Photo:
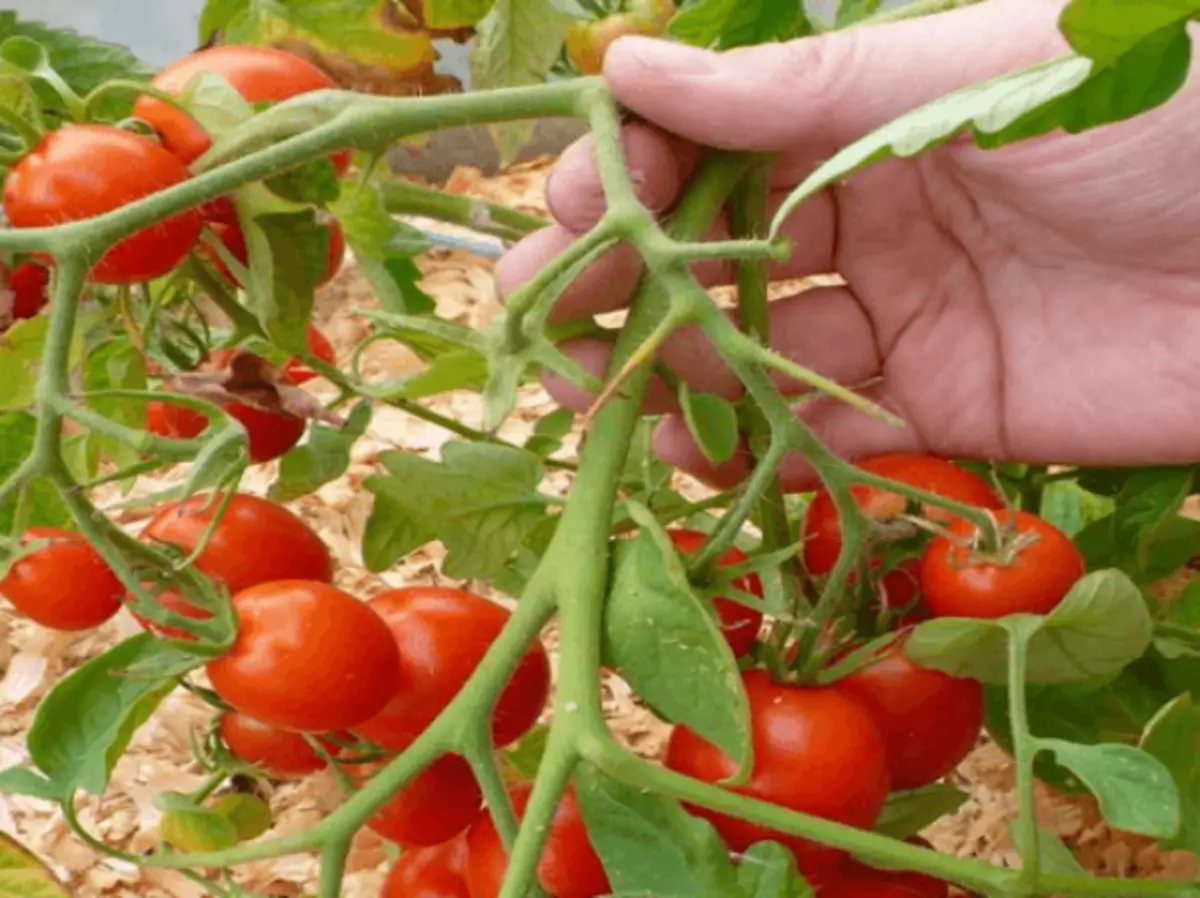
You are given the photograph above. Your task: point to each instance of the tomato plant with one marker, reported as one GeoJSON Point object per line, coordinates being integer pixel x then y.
{"type": "Point", "coordinates": [755, 625]}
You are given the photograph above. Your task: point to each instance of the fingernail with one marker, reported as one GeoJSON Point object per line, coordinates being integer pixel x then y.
{"type": "Point", "coordinates": [660, 55]}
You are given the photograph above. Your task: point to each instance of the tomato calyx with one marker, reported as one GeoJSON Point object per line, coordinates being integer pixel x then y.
{"type": "Point", "coordinates": [999, 546]}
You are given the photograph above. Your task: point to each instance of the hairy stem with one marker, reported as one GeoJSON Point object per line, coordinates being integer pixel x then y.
{"type": "Point", "coordinates": [406, 198]}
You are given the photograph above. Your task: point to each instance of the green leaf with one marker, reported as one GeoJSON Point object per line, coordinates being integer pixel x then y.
{"type": "Point", "coordinates": [768, 870]}
{"type": "Point", "coordinates": [713, 422]}
{"type": "Point", "coordinates": [287, 257]}
{"type": "Point", "coordinates": [1100, 626]}
{"type": "Point", "coordinates": [314, 184]}
{"type": "Point", "coordinates": [392, 530]}
{"type": "Point", "coordinates": [116, 366]}
{"type": "Point", "coordinates": [649, 844]}
{"type": "Point", "coordinates": [1056, 857]}
{"type": "Point", "coordinates": [1184, 609]}
{"type": "Point", "coordinates": [549, 431]}
{"type": "Point", "coordinates": [1105, 30]}
{"type": "Point", "coordinates": [455, 13]}
{"type": "Point", "coordinates": [215, 103]}
{"type": "Point", "coordinates": [724, 24]}
{"type": "Point", "coordinates": [480, 501]}
{"type": "Point", "coordinates": [1072, 93]}
{"type": "Point", "coordinates": [1149, 499]}
{"type": "Point", "coordinates": [851, 11]}
{"type": "Point", "coordinates": [666, 642]}
{"type": "Point", "coordinates": [516, 44]}
{"type": "Point", "coordinates": [459, 369]}
{"type": "Point", "coordinates": [23, 781]}
{"type": "Point", "coordinates": [22, 875]}
{"type": "Point", "coordinates": [199, 829]}
{"type": "Point", "coordinates": [1071, 508]}
{"type": "Point", "coordinates": [520, 762]}
{"type": "Point", "coordinates": [383, 247]}
{"type": "Point", "coordinates": [1134, 789]}
{"type": "Point", "coordinates": [217, 14]}
{"type": "Point", "coordinates": [20, 357]}
{"type": "Point", "coordinates": [43, 505]}
{"type": "Point", "coordinates": [907, 813]}
{"type": "Point", "coordinates": [323, 458]}
{"type": "Point", "coordinates": [249, 814]}
{"type": "Point", "coordinates": [86, 721]}
{"type": "Point", "coordinates": [1173, 737]}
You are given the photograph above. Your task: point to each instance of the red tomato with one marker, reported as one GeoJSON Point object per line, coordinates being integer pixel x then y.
{"type": "Point", "coordinates": [318, 344]}
{"type": "Point", "coordinates": [168, 420]}
{"type": "Point", "coordinates": [872, 888]}
{"type": "Point", "coordinates": [919, 885]}
{"type": "Point", "coordinates": [929, 720]}
{"type": "Point", "coordinates": [279, 753]}
{"type": "Point", "coordinates": [569, 866]}
{"type": "Point", "coordinates": [435, 872]}
{"type": "Point", "coordinates": [28, 282]}
{"type": "Point", "coordinates": [823, 533]}
{"type": "Point", "coordinates": [1031, 575]}
{"type": "Point", "coordinates": [739, 623]}
{"type": "Point", "coordinates": [81, 171]}
{"type": "Point", "coordinates": [64, 586]}
{"type": "Point", "coordinates": [438, 804]}
{"type": "Point", "coordinates": [260, 74]}
{"type": "Point", "coordinates": [307, 657]}
{"type": "Point", "coordinates": [443, 634]}
{"type": "Point", "coordinates": [256, 541]}
{"type": "Point", "coordinates": [815, 751]}
{"type": "Point", "coordinates": [234, 240]}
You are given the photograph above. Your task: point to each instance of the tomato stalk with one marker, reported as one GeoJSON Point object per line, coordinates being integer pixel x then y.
{"type": "Point", "coordinates": [1020, 630]}
{"type": "Point", "coordinates": [407, 198]}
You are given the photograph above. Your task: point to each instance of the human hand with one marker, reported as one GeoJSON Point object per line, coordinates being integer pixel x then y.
{"type": "Point", "coordinates": [1039, 302]}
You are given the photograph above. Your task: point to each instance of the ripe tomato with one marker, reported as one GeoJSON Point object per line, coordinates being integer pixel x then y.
{"type": "Point", "coordinates": [28, 282]}
{"type": "Point", "coordinates": [279, 753]}
{"type": "Point", "coordinates": [1031, 575]}
{"type": "Point", "coordinates": [435, 872]}
{"type": "Point", "coordinates": [318, 344]}
{"type": "Point", "coordinates": [569, 866]}
{"type": "Point", "coordinates": [259, 74]}
{"type": "Point", "coordinates": [875, 887]}
{"type": "Point", "coordinates": [918, 885]}
{"type": "Point", "coordinates": [822, 531]}
{"type": "Point", "coordinates": [256, 541]}
{"type": "Point", "coordinates": [443, 634]}
{"type": "Point", "coordinates": [81, 171]}
{"type": "Point", "coordinates": [64, 586]}
{"type": "Point", "coordinates": [929, 720]}
{"type": "Point", "coordinates": [234, 240]}
{"type": "Point", "coordinates": [815, 751]}
{"type": "Point", "coordinates": [307, 657]}
{"type": "Point", "coordinates": [739, 623]}
{"type": "Point", "coordinates": [438, 804]}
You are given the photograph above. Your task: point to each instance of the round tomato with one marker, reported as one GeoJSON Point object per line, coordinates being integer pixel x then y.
{"type": "Point", "coordinates": [435, 872]}
{"type": "Point", "coordinates": [259, 74]}
{"type": "Point", "coordinates": [65, 585]}
{"type": "Point", "coordinates": [443, 634]}
{"type": "Point", "coordinates": [167, 420]}
{"type": "Point", "coordinates": [739, 623]}
{"type": "Point", "coordinates": [822, 531]}
{"type": "Point", "coordinates": [256, 541]}
{"type": "Point", "coordinates": [588, 41]}
{"type": "Point", "coordinates": [234, 240]}
{"type": "Point", "coordinates": [28, 282]}
{"type": "Point", "coordinates": [307, 657]}
{"type": "Point", "coordinates": [815, 751]}
{"type": "Point", "coordinates": [279, 753]}
{"type": "Point", "coordinates": [81, 171]}
{"type": "Point", "coordinates": [318, 344]}
{"type": "Point", "coordinates": [569, 866]}
{"type": "Point", "coordinates": [919, 885]}
{"type": "Point", "coordinates": [1030, 573]}
{"type": "Point", "coordinates": [438, 804]}
{"type": "Point", "coordinates": [929, 720]}
{"type": "Point", "coordinates": [873, 887]}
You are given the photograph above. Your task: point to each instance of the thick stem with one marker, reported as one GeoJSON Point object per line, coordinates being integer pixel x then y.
{"type": "Point", "coordinates": [406, 198]}
{"type": "Point", "coordinates": [333, 867]}
{"type": "Point", "coordinates": [1025, 750]}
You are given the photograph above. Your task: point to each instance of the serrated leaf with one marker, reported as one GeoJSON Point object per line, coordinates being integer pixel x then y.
{"type": "Point", "coordinates": [459, 369]}
{"type": "Point", "coordinates": [648, 844]}
{"type": "Point", "coordinates": [713, 422]}
{"type": "Point", "coordinates": [666, 642]}
{"type": "Point", "coordinates": [768, 870]}
{"type": "Point", "coordinates": [392, 530]}
{"type": "Point", "coordinates": [324, 457]}
{"type": "Point", "coordinates": [724, 24]}
{"type": "Point", "coordinates": [287, 256]}
{"type": "Point", "coordinates": [1100, 626]}
{"type": "Point", "coordinates": [22, 875]}
{"type": "Point", "coordinates": [1173, 737]}
{"type": "Point", "coordinates": [907, 813]}
{"type": "Point", "coordinates": [1135, 791]}
{"type": "Point", "coordinates": [87, 720]}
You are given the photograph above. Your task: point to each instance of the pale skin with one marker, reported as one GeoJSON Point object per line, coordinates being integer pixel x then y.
{"type": "Point", "coordinates": [1038, 303]}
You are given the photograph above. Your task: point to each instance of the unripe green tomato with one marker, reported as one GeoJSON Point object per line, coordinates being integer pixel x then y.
{"type": "Point", "coordinates": [588, 42]}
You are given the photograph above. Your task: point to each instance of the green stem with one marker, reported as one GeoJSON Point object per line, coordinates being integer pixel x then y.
{"type": "Point", "coordinates": [406, 198]}
{"type": "Point", "coordinates": [481, 755]}
{"type": "Point", "coordinates": [1025, 749]}
{"type": "Point", "coordinates": [29, 135]}
{"type": "Point", "coordinates": [209, 786]}
{"type": "Point", "coordinates": [750, 249]}
{"type": "Point", "coordinates": [240, 317]}
{"type": "Point", "coordinates": [333, 867]}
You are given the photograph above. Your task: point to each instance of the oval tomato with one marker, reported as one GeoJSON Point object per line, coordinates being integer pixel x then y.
{"type": "Point", "coordinates": [435, 872]}
{"type": "Point", "coordinates": [918, 885]}
{"type": "Point", "coordinates": [256, 541]}
{"type": "Point", "coordinates": [80, 171]}
{"type": "Point", "coordinates": [279, 753]}
{"type": "Point", "coordinates": [167, 420]}
{"type": "Point", "coordinates": [318, 344]}
{"type": "Point", "coordinates": [815, 751]}
{"type": "Point", "coordinates": [307, 657]}
{"type": "Point", "coordinates": [1030, 574]}
{"type": "Point", "coordinates": [569, 866]}
{"type": "Point", "coordinates": [929, 720]}
{"type": "Point", "coordinates": [234, 240]}
{"type": "Point", "coordinates": [28, 282]}
{"type": "Point", "coordinates": [442, 634]}
{"type": "Point", "coordinates": [822, 531]}
{"type": "Point", "coordinates": [65, 585]}
{"type": "Point", "coordinates": [588, 41]}
{"type": "Point", "coordinates": [259, 74]}
{"type": "Point", "coordinates": [875, 887]}
{"type": "Point", "coordinates": [739, 623]}
{"type": "Point", "coordinates": [438, 804]}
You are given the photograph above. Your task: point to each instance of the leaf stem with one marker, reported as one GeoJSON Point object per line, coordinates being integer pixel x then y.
{"type": "Point", "coordinates": [1025, 748]}
{"type": "Point", "coordinates": [406, 198]}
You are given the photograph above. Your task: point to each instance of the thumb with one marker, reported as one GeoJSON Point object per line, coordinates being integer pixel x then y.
{"type": "Point", "coordinates": [829, 89]}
